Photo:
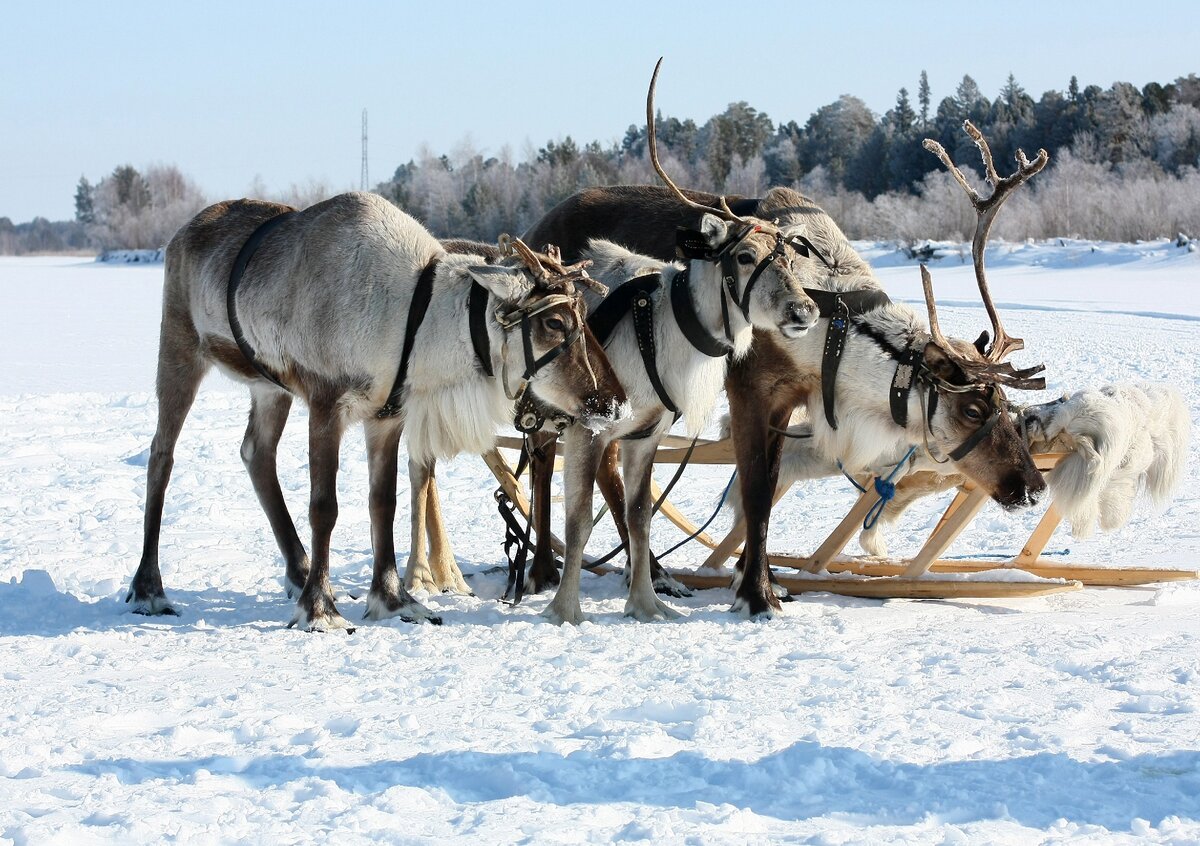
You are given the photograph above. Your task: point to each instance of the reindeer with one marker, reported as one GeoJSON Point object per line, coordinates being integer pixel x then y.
{"type": "Point", "coordinates": [330, 302]}
{"type": "Point", "coordinates": [669, 331]}
{"type": "Point", "coordinates": [953, 403]}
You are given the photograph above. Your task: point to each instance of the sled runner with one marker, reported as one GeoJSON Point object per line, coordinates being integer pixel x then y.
{"type": "Point", "coordinates": [924, 576]}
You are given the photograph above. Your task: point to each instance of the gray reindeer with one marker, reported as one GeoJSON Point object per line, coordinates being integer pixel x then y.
{"type": "Point", "coordinates": [318, 306]}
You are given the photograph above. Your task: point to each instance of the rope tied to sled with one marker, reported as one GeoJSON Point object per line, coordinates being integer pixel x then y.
{"type": "Point", "coordinates": [884, 487]}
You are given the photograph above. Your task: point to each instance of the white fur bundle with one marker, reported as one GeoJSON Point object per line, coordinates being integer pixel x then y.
{"type": "Point", "coordinates": [1123, 439]}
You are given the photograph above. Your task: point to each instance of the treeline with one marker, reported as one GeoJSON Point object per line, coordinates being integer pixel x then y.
{"type": "Point", "coordinates": [1124, 164]}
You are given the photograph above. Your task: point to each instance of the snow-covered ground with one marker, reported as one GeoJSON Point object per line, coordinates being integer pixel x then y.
{"type": "Point", "coordinates": [1068, 719]}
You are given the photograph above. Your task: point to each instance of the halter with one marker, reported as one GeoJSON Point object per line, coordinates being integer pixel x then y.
{"type": "Point", "coordinates": [528, 414]}
{"type": "Point", "coordinates": [690, 244]}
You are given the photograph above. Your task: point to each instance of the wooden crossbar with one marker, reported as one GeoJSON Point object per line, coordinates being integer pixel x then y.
{"type": "Point", "coordinates": [909, 578]}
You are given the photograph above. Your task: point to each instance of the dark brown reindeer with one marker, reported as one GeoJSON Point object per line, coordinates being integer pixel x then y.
{"type": "Point", "coordinates": [321, 310]}
{"type": "Point", "coordinates": [955, 409]}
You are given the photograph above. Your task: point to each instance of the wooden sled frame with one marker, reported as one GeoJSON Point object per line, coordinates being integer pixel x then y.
{"type": "Point", "coordinates": [912, 578]}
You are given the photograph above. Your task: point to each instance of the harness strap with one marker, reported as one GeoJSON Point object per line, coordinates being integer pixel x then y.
{"type": "Point", "coordinates": [603, 319]}
{"type": "Point", "coordinates": [422, 294]}
{"type": "Point", "coordinates": [643, 330]}
{"type": "Point", "coordinates": [533, 365]}
{"type": "Point", "coordinates": [235, 278]}
{"type": "Point", "coordinates": [831, 357]}
{"type": "Point", "coordinates": [477, 316]}
{"type": "Point", "coordinates": [906, 371]}
{"type": "Point", "coordinates": [970, 443]}
{"type": "Point", "coordinates": [838, 306]}
{"type": "Point", "coordinates": [684, 309]}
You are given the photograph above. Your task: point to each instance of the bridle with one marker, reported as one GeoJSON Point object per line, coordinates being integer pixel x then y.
{"type": "Point", "coordinates": [690, 244]}
{"type": "Point", "coordinates": [529, 414]}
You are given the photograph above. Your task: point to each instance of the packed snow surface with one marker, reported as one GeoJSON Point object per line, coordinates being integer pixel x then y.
{"type": "Point", "coordinates": [1068, 719]}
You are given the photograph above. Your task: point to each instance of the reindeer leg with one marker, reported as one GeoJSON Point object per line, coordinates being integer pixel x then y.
{"type": "Point", "coordinates": [758, 454]}
{"type": "Point", "coordinates": [180, 370]}
{"type": "Point", "coordinates": [637, 462]}
{"type": "Point", "coordinates": [417, 575]}
{"type": "Point", "coordinates": [583, 451]}
{"type": "Point", "coordinates": [315, 610]}
{"type": "Point", "coordinates": [613, 489]}
{"type": "Point", "coordinates": [388, 598]}
{"type": "Point", "coordinates": [543, 569]}
{"type": "Point", "coordinates": [446, 575]}
{"type": "Point", "coordinates": [269, 408]}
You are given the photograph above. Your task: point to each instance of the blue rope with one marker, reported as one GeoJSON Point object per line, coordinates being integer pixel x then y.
{"type": "Point", "coordinates": [884, 487]}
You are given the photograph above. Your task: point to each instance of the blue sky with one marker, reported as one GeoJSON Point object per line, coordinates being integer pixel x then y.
{"type": "Point", "coordinates": [233, 90]}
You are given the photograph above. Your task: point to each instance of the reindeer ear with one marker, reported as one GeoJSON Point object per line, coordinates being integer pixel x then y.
{"type": "Point", "coordinates": [507, 284]}
{"type": "Point", "coordinates": [939, 363]}
{"type": "Point", "coordinates": [982, 341]}
{"type": "Point", "coordinates": [714, 230]}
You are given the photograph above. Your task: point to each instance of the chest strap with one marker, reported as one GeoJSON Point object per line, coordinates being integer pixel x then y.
{"type": "Point", "coordinates": [477, 315]}
{"type": "Point", "coordinates": [422, 294]}
{"type": "Point", "coordinates": [684, 309]}
{"type": "Point", "coordinates": [636, 298]}
{"type": "Point", "coordinates": [235, 279]}
{"type": "Point", "coordinates": [839, 306]}
{"type": "Point", "coordinates": [902, 382]}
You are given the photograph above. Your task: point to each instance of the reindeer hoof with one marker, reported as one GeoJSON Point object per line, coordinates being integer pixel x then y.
{"type": "Point", "coordinates": [652, 611]}
{"type": "Point", "coordinates": [405, 607]}
{"type": "Point", "coordinates": [666, 585]}
{"type": "Point", "coordinates": [329, 622]}
{"type": "Point", "coordinates": [756, 609]}
{"type": "Point", "coordinates": [557, 614]}
{"type": "Point", "coordinates": [151, 606]}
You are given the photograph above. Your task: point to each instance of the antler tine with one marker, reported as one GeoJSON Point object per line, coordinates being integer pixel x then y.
{"type": "Point", "coordinates": [530, 258]}
{"type": "Point", "coordinates": [652, 143]}
{"type": "Point", "coordinates": [999, 372]}
{"type": "Point", "coordinates": [934, 329]}
{"type": "Point", "coordinates": [986, 208]}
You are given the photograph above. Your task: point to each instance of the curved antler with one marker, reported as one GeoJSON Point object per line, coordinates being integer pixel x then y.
{"type": "Point", "coordinates": [985, 210]}
{"type": "Point", "coordinates": [517, 247]}
{"type": "Point", "coordinates": [723, 209]}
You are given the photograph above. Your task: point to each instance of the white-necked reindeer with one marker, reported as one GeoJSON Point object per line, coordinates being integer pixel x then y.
{"type": "Point", "coordinates": [323, 305]}
{"type": "Point", "coordinates": [668, 341]}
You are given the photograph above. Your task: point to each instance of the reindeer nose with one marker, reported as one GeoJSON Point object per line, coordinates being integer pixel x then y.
{"type": "Point", "coordinates": [801, 315]}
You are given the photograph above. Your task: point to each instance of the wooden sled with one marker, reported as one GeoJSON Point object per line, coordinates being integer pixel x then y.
{"type": "Point", "coordinates": [826, 570]}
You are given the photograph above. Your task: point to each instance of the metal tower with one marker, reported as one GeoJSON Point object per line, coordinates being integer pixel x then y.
{"type": "Point", "coordinates": [363, 182]}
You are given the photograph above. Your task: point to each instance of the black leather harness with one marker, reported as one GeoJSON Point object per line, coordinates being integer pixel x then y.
{"type": "Point", "coordinates": [418, 307]}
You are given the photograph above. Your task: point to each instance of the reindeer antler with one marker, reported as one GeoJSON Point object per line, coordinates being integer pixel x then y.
{"type": "Point", "coordinates": [577, 271]}
{"type": "Point", "coordinates": [985, 210]}
{"type": "Point", "coordinates": [723, 209]}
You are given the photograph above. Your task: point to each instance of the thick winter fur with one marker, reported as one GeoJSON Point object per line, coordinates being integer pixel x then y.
{"type": "Point", "coordinates": [324, 304]}
{"type": "Point", "coordinates": [1123, 439]}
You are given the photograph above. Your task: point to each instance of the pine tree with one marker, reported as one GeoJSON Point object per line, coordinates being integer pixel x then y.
{"type": "Point", "coordinates": [85, 207]}
{"type": "Point", "coordinates": [923, 99]}
{"type": "Point", "coordinates": [1073, 90]}
{"type": "Point", "coordinates": [903, 117]}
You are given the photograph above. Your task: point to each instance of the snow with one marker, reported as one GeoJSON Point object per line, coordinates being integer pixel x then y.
{"type": "Point", "coordinates": [1070, 718]}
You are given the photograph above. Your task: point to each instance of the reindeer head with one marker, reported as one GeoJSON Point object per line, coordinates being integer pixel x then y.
{"type": "Point", "coordinates": [558, 359]}
{"type": "Point", "coordinates": [754, 255]}
{"type": "Point", "coordinates": [971, 378]}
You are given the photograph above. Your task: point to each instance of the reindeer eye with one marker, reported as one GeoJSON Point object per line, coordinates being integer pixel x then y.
{"type": "Point", "coordinates": [555, 325]}
{"type": "Point", "coordinates": [745, 258]}
{"type": "Point", "coordinates": [973, 413]}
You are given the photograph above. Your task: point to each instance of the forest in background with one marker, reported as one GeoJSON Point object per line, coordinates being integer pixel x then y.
{"type": "Point", "coordinates": [1125, 165]}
